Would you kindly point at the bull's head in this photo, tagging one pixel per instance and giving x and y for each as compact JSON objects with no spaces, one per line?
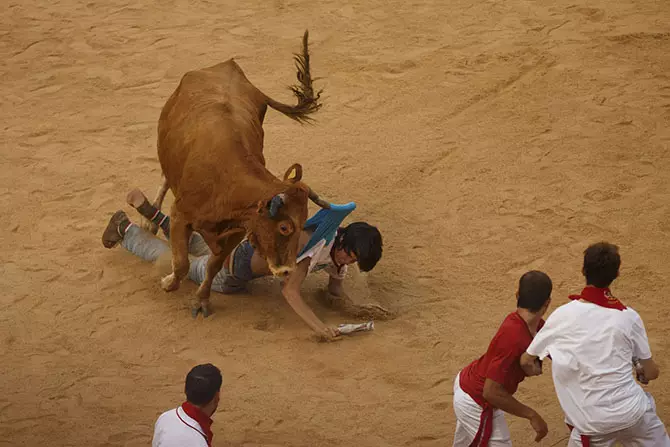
{"x":276,"y":229}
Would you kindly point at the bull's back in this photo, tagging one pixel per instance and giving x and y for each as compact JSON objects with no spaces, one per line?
{"x":211,"y":121}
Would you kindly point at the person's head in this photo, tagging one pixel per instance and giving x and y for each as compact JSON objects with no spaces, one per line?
{"x":534,"y":292}
{"x":358,"y":242}
{"x":601,"y":264}
{"x":203,"y":385}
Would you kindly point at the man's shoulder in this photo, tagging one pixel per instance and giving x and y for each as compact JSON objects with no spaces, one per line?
{"x":566,"y":310}
{"x":174,"y":429}
{"x":169,"y":414}
{"x":511,"y":333}
{"x":631,"y":317}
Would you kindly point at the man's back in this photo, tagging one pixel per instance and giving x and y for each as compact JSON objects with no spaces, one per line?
{"x":501,"y":360}
{"x":175,"y":428}
{"x":591,"y":349}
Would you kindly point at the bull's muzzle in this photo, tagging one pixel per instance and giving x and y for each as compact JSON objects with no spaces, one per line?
{"x":281,"y":271}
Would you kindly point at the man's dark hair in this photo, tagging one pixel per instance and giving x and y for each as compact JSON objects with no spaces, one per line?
{"x":362,"y":240}
{"x":202,"y":384}
{"x":534,"y":290}
{"x":601,"y":264}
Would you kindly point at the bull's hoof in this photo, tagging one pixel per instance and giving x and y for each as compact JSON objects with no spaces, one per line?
{"x":170,"y":283}
{"x":204,"y":308}
{"x":195,"y":310}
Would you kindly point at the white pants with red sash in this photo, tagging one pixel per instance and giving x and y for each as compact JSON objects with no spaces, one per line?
{"x":468,"y":417}
{"x":649,"y":431}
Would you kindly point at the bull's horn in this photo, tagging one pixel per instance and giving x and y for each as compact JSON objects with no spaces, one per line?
{"x":314,"y":197}
{"x":276,"y":203}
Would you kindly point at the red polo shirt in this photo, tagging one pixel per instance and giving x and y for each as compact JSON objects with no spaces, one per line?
{"x":500,"y":363}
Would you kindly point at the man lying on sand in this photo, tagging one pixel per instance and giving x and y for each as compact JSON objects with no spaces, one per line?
{"x":358,"y":242}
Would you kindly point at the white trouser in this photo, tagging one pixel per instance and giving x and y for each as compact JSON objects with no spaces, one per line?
{"x":647,"y":432}
{"x":468,"y":413}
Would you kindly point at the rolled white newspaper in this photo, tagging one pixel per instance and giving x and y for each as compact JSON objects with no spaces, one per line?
{"x":349,"y":328}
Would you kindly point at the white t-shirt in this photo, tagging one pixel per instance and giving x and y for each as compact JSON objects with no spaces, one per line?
{"x":591,"y":350}
{"x":175,"y":428}
{"x":321,"y":260}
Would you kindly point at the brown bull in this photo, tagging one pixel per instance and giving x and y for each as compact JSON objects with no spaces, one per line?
{"x":210,"y":147}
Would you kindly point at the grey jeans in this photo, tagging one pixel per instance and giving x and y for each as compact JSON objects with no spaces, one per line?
{"x":148,"y":247}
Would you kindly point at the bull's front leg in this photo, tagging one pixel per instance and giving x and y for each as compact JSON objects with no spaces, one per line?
{"x":227,"y":242}
{"x":180,"y":233}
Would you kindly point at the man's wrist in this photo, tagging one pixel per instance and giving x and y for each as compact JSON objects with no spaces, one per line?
{"x":529,"y":413}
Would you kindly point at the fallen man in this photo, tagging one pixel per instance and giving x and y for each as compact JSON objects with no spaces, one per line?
{"x":330,"y":250}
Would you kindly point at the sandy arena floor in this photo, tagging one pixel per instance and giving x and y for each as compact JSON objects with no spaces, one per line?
{"x":484,"y":138}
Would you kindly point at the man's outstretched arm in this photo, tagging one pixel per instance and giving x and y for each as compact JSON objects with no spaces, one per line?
{"x":291,"y":292}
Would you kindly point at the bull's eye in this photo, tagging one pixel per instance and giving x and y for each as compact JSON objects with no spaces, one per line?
{"x":285,"y":228}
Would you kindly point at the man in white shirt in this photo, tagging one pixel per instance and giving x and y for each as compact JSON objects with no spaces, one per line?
{"x":593,"y":342}
{"x":358,"y":242}
{"x":189,"y":425}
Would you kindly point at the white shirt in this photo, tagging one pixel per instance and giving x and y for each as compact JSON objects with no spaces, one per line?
{"x":321,"y":260}
{"x":591,"y":350}
{"x":175,"y":428}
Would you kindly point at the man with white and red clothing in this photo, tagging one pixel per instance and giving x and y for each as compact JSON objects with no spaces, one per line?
{"x":483,"y":390}
{"x":593,"y":341}
{"x":190,"y":424}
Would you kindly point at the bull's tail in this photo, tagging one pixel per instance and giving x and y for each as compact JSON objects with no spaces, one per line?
{"x":308,"y":100}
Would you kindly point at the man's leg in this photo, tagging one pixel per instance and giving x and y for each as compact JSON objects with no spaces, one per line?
{"x":468,"y":415}
{"x":133,"y":238}
{"x":136,"y":198}
{"x":649,"y":431}
{"x":142,"y":243}
{"x":139,"y":201}
{"x":595,"y":441}
{"x":501,"y":436}
{"x":223,"y":281}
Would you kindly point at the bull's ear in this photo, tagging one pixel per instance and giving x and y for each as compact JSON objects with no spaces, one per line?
{"x":294,"y":173}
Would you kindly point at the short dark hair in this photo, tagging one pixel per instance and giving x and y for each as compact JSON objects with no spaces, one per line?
{"x":601,"y":264}
{"x":202,"y":384}
{"x":364,"y":241}
{"x":534,"y":290}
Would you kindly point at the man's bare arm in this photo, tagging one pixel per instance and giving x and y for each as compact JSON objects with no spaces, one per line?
{"x":498,"y":397}
{"x":336,"y":287}
{"x":530,"y":364}
{"x":650,"y":369}
{"x":291,"y":292}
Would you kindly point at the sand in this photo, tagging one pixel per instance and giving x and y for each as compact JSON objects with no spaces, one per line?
{"x":484,"y":138}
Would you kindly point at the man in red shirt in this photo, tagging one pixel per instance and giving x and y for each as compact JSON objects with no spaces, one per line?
{"x":484,"y":389}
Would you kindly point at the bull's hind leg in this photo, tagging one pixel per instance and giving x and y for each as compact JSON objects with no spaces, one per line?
{"x":158,"y":204}
{"x":227,"y":242}
{"x":180,"y":233}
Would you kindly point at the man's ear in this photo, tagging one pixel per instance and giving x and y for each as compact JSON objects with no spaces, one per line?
{"x":293,"y":174}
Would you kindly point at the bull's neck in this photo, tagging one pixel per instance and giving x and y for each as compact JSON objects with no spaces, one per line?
{"x":258,"y":185}
{"x":263,"y":185}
